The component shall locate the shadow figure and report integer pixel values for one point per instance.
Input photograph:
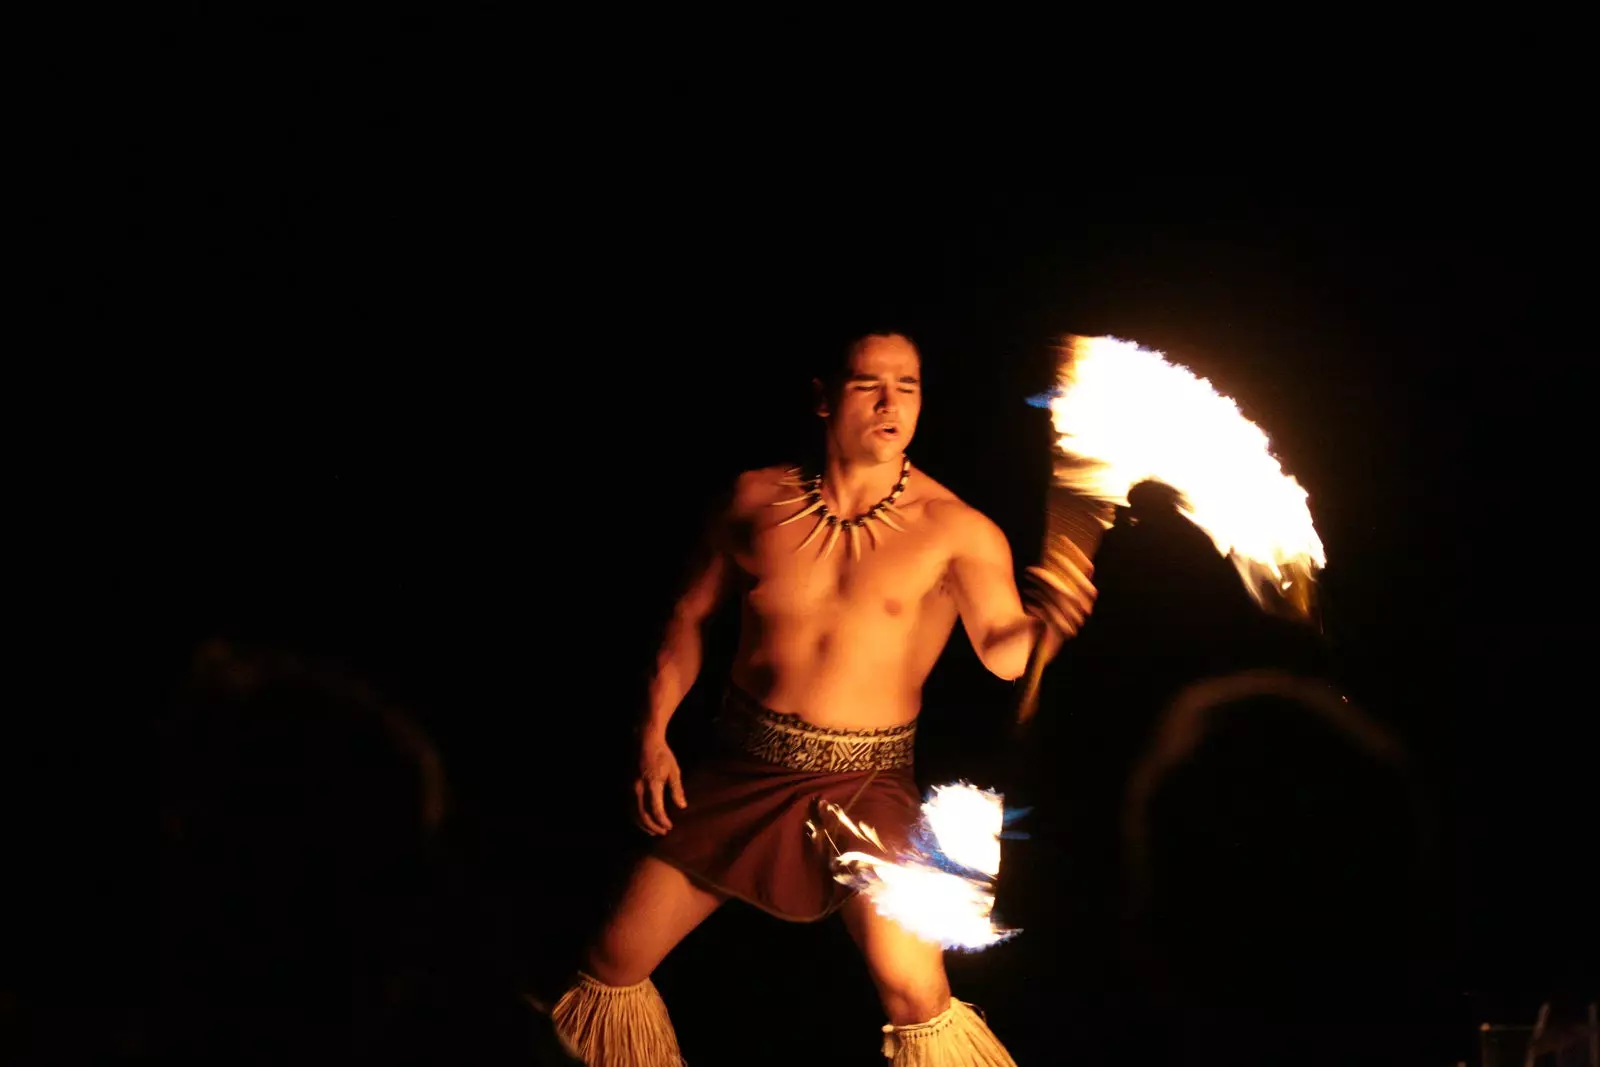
(1278, 858)
(1171, 602)
(1171, 610)
(311, 910)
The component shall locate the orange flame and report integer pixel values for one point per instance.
(1127, 415)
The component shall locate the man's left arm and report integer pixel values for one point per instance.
(1003, 631)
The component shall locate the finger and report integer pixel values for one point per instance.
(677, 790)
(1081, 582)
(1051, 580)
(641, 815)
(657, 808)
(1074, 572)
(1068, 551)
(1063, 565)
(1051, 613)
(1068, 599)
(1080, 603)
(1068, 609)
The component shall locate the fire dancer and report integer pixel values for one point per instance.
(851, 578)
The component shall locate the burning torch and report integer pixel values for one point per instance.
(1123, 414)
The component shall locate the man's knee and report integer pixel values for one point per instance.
(610, 962)
(658, 909)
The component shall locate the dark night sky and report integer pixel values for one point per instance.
(439, 354)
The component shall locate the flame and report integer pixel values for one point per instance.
(941, 888)
(1132, 416)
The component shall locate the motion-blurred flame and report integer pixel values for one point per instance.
(1124, 414)
(941, 887)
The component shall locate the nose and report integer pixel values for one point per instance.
(886, 402)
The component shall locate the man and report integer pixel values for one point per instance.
(851, 580)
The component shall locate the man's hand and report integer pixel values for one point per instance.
(1061, 593)
(658, 772)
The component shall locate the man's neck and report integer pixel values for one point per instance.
(850, 487)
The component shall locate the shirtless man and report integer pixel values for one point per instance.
(851, 580)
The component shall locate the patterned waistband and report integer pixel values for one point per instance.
(789, 741)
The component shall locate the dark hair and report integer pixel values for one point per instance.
(1276, 840)
(831, 358)
(1151, 498)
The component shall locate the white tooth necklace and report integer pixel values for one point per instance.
(855, 529)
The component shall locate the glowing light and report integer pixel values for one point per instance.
(1125, 414)
(941, 887)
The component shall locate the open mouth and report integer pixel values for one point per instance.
(888, 431)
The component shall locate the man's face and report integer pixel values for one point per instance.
(874, 414)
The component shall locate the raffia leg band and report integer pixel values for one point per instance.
(956, 1037)
(611, 1026)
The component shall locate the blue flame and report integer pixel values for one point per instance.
(1012, 815)
(925, 844)
(1042, 400)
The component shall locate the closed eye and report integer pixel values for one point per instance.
(904, 385)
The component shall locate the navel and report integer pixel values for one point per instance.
(892, 607)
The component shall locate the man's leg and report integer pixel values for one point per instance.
(613, 1016)
(659, 908)
(926, 1025)
(907, 971)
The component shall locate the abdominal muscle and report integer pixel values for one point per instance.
(846, 667)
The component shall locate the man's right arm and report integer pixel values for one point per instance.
(678, 658)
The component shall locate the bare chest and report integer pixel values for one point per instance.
(800, 570)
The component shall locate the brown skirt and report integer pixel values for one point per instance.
(744, 833)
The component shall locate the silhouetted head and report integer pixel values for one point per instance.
(1151, 500)
(312, 911)
(299, 812)
(265, 748)
(1274, 837)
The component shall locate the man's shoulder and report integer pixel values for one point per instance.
(959, 519)
(760, 486)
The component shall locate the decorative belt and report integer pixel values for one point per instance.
(789, 741)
